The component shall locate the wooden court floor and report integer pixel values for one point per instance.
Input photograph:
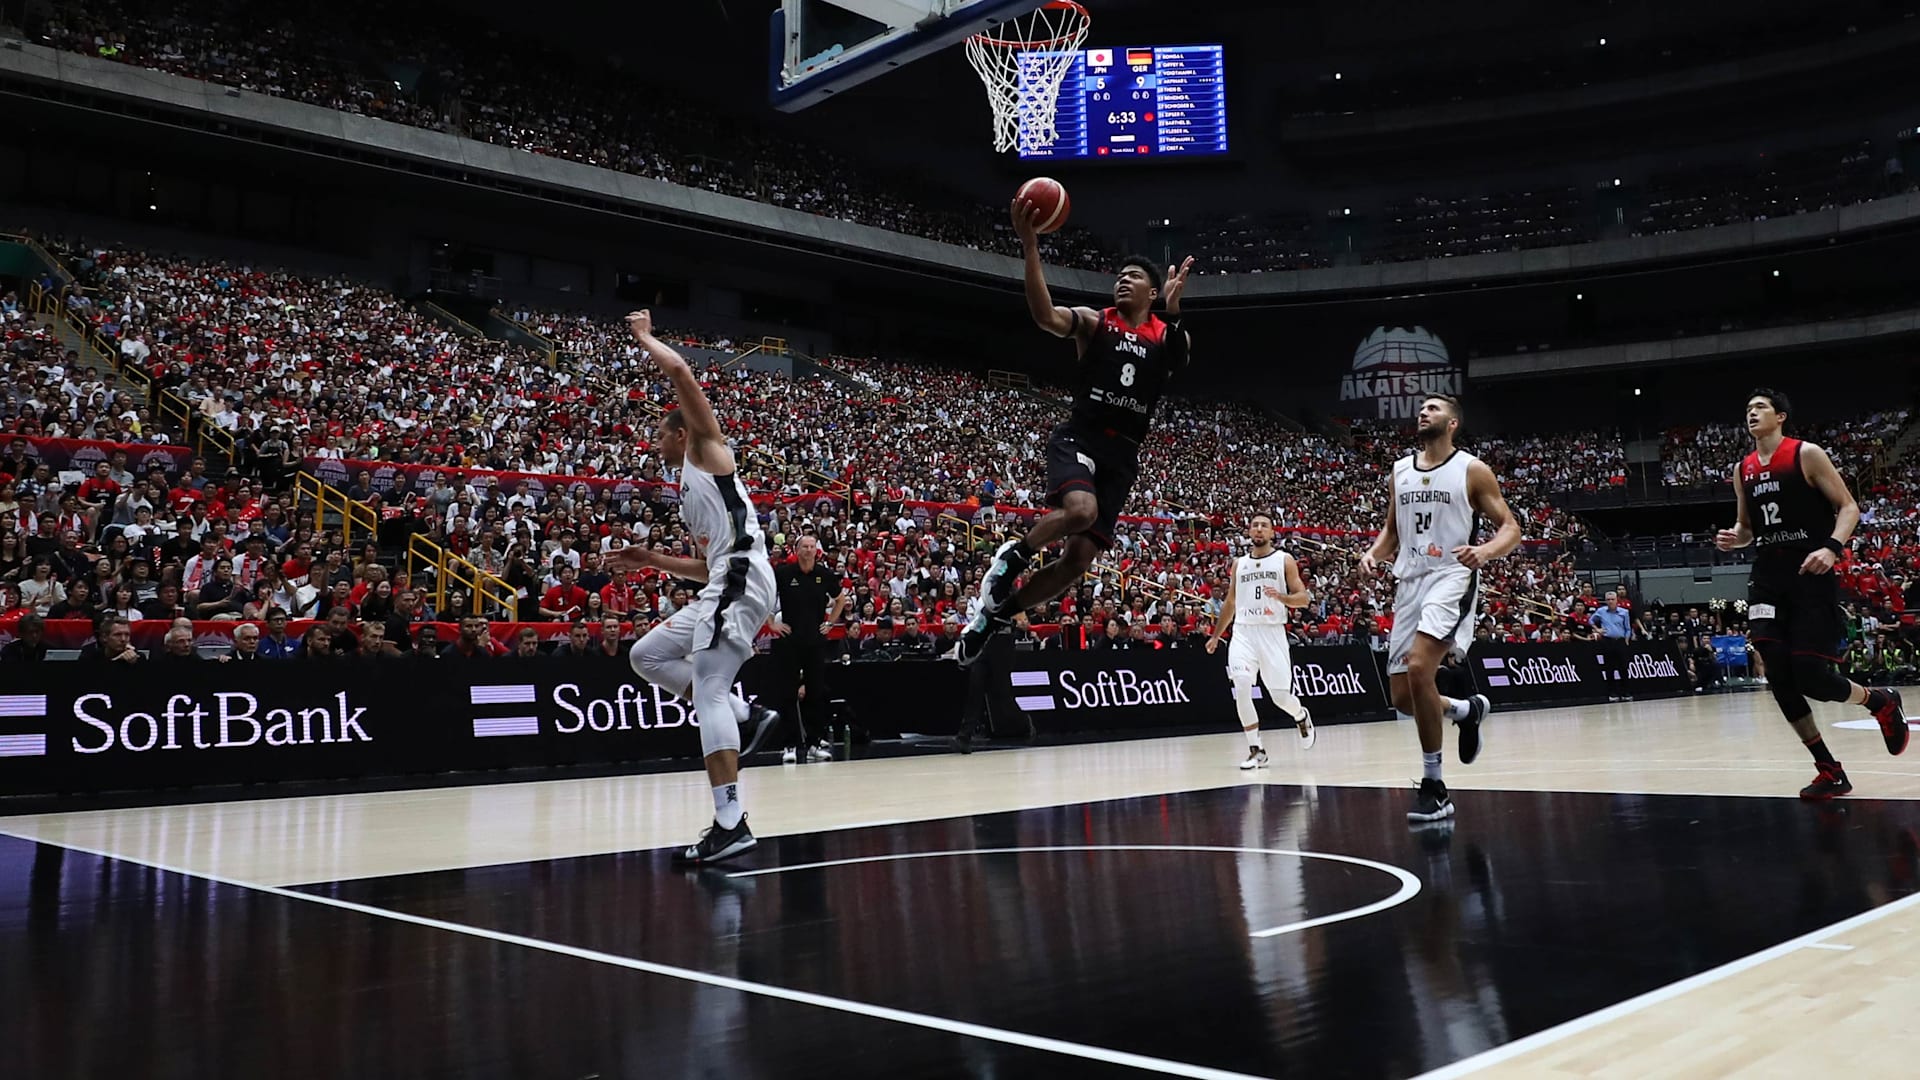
(1630, 890)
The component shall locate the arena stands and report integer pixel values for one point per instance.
(909, 474)
(412, 66)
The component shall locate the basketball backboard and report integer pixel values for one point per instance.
(821, 47)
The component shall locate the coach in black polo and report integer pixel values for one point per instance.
(811, 599)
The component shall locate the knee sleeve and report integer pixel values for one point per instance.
(1815, 677)
(1243, 701)
(669, 672)
(713, 673)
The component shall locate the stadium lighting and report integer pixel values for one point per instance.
(1616, 181)
(1346, 210)
(1603, 41)
(1636, 391)
(1336, 76)
(1776, 273)
(1579, 296)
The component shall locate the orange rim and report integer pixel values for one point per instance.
(1062, 39)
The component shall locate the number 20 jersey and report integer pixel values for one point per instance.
(1432, 514)
(1123, 372)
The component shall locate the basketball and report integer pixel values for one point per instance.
(1050, 198)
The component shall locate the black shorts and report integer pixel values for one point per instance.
(1104, 465)
(1800, 611)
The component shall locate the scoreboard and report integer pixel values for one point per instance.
(1139, 103)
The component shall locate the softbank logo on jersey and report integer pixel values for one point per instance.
(1538, 671)
(1104, 690)
(1397, 369)
(216, 721)
(631, 708)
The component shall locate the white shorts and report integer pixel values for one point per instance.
(1261, 651)
(1440, 605)
(731, 608)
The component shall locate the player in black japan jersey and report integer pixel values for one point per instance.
(1796, 510)
(1127, 354)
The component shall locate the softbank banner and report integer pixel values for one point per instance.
(1143, 688)
(1571, 672)
(83, 727)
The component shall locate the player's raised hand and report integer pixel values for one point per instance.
(1026, 220)
(1176, 284)
(640, 324)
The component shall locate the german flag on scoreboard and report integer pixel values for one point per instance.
(1139, 56)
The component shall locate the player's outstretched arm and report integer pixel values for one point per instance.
(1074, 322)
(1483, 493)
(701, 423)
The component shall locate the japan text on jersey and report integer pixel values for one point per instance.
(1124, 371)
(1783, 507)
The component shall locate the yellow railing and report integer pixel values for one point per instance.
(208, 437)
(329, 499)
(552, 346)
(491, 595)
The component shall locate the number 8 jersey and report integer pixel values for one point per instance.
(1123, 372)
(1432, 514)
(1788, 515)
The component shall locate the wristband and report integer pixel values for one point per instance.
(1835, 546)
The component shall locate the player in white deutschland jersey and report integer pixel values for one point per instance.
(1439, 495)
(1266, 582)
(697, 653)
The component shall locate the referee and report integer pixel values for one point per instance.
(806, 590)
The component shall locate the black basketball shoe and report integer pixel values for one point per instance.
(1893, 721)
(1829, 783)
(716, 844)
(996, 587)
(1432, 803)
(1477, 707)
(973, 640)
(761, 722)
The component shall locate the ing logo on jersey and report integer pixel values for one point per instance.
(1433, 551)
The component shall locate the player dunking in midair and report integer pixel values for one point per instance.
(1806, 515)
(697, 652)
(1266, 582)
(1127, 355)
(1438, 496)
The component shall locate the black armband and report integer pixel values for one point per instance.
(1835, 546)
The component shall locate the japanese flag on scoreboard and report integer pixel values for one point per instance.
(1100, 57)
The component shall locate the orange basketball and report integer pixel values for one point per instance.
(1050, 199)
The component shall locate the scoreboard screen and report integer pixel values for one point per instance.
(1140, 103)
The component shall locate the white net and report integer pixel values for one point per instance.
(1022, 62)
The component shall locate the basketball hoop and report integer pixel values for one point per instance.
(1030, 55)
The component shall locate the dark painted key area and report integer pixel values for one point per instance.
(1534, 909)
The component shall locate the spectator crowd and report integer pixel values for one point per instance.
(908, 475)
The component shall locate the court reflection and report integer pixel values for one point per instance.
(1534, 908)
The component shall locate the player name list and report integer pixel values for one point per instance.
(1139, 102)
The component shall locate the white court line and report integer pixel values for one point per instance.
(1664, 994)
(801, 997)
(1824, 945)
(1409, 885)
